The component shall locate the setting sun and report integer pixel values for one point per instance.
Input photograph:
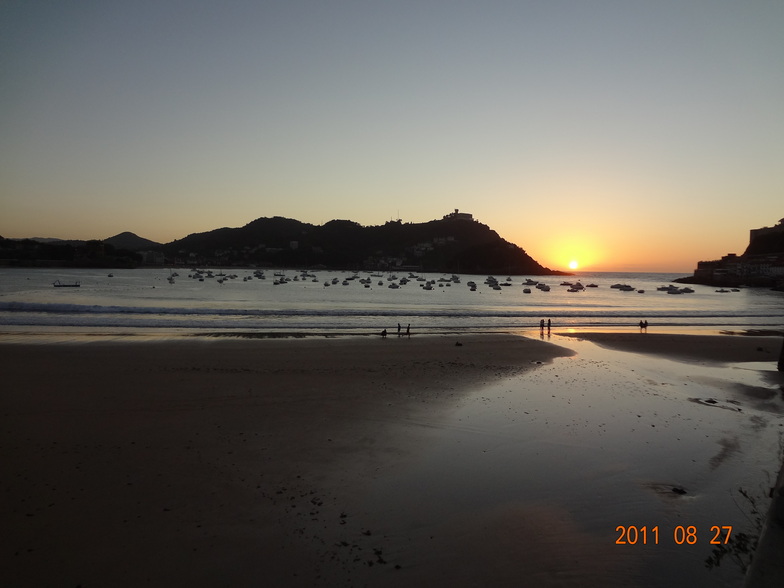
(573, 265)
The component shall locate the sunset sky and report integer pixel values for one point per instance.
(628, 135)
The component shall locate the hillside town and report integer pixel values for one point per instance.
(762, 264)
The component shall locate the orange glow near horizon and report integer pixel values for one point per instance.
(571, 253)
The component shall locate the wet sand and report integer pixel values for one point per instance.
(503, 461)
(702, 348)
(199, 462)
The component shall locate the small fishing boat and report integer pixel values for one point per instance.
(59, 284)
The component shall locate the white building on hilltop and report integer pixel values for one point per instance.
(459, 215)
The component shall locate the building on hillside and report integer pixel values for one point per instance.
(459, 215)
(761, 268)
(152, 257)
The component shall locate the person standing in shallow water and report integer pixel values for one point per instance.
(548, 325)
(408, 330)
(398, 329)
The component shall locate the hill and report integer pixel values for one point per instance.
(131, 242)
(61, 253)
(456, 243)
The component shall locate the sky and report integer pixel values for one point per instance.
(626, 135)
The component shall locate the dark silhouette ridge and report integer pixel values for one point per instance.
(451, 244)
(456, 243)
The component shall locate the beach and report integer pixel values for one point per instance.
(693, 347)
(369, 461)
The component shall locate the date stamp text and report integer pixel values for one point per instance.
(680, 535)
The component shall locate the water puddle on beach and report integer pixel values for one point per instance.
(533, 481)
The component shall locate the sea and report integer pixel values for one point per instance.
(287, 302)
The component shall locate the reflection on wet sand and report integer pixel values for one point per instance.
(530, 478)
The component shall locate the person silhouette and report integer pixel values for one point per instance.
(384, 334)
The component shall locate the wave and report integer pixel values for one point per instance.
(15, 308)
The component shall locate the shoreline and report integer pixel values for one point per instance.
(80, 334)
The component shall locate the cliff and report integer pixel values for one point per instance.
(762, 263)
